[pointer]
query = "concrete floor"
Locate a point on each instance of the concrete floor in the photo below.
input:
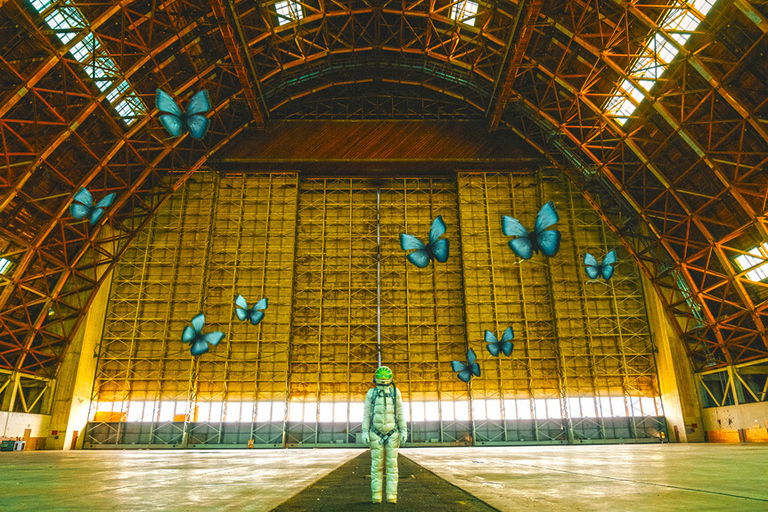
(607, 477)
(548, 478)
(138, 481)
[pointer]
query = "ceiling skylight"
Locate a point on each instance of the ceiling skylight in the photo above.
(66, 21)
(758, 265)
(679, 23)
(288, 11)
(5, 265)
(464, 11)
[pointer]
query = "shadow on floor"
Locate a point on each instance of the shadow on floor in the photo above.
(347, 489)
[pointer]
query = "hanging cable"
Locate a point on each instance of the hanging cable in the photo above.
(378, 275)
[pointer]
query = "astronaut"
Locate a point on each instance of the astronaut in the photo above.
(384, 429)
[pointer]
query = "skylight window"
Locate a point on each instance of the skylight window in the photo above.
(758, 265)
(288, 11)
(464, 11)
(5, 265)
(679, 23)
(66, 21)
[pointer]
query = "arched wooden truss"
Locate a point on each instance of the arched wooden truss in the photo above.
(684, 181)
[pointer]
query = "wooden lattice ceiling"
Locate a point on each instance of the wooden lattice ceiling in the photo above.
(683, 181)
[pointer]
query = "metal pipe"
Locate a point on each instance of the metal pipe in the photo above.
(378, 275)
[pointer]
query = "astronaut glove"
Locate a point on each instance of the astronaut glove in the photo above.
(366, 438)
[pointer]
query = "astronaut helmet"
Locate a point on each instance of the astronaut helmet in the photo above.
(383, 376)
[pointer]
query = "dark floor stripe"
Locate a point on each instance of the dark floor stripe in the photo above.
(348, 488)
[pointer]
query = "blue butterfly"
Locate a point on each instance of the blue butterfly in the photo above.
(541, 239)
(193, 334)
(468, 369)
(254, 314)
(82, 206)
(505, 345)
(177, 122)
(605, 268)
(436, 249)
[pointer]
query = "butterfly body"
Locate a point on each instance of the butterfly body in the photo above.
(436, 249)
(254, 314)
(176, 122)
(82, 206)
(503, 346)
(199, 342)
(466, 370)
(541, 239)
(604, 269)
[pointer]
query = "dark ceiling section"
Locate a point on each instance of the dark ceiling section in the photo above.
(683, 180)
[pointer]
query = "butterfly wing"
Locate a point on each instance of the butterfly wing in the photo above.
(506, 347)
(107, 200)
(440, 250)
(255, 316)
(458, 366)
(493, 348)
(213, 338)
(82, 203)
(198, 348)
(608, 262)
(590, 266)
(198, 126)
(465, 375)
(96, 214)
(241, 307)
(419, 258)
(508, 334)
(475, 369)
(546, 217)
(408, 242)
(471, 356)
(171, 114)
(548, 241)
(510, 226)
(490, 337)
(197, 122)
(522, 247)
(200, 103)
(189, 334)
(437, 229)
(262, 304)
(98, 210)
(198, 322)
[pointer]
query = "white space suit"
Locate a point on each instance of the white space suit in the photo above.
(384, 428)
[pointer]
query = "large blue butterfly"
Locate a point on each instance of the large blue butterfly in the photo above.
(504, 346)
(437, 248)
(467, 369)
(254, 314)
(82, 206)
(541, 239)
(604, 268)
(193, 334)
(193, 120)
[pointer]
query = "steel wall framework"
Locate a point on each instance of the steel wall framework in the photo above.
(582, 369)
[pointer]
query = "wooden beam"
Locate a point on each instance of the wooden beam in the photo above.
(231, 32)
(520, 36)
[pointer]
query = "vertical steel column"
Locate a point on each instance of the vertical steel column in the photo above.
(378, 275)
